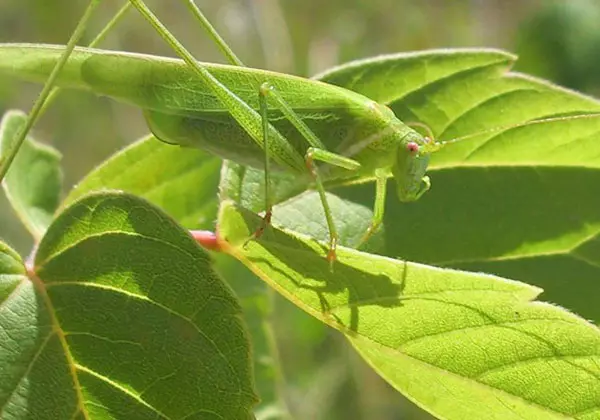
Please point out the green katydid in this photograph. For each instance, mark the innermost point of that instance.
(268, 116)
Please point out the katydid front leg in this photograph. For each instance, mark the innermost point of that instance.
(379, 207)
(316, 151)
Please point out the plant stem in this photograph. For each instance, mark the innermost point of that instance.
(97, 40)
(6, 160)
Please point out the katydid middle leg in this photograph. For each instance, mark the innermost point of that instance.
(316, 151)
(379, 207)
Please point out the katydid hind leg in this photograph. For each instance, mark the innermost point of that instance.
(269, 92)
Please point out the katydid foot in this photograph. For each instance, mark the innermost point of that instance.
(266, 221)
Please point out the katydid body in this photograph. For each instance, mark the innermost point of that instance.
(358, 128)
(348, 123)
(357, 137)
(301, 125)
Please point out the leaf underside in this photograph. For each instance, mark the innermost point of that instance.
(34, 180)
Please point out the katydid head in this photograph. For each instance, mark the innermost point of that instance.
(410, 166)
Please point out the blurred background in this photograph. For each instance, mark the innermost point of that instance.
(557, 40)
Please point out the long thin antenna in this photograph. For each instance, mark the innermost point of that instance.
(423, 126)
(97, 40)
(523, 124)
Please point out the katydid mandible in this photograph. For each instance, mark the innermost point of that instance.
(382, 143)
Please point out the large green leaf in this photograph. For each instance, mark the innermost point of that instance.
(128, 320)
(520, 202)
(460, 344)
(183, 182)
(33, 182)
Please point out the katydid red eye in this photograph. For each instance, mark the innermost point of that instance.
(412, 147)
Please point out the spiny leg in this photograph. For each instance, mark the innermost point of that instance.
(379, 208)
(315, 152)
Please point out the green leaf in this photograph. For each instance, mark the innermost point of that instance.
(181, 181)
(304, 214)
(468, 91)
(246, 185)
(137, 324)
(33, 182)
(520, 202)
(460, 344)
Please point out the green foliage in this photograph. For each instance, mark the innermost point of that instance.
(185, 188)
(513, 189)
(121, 317)
(459, 343)
(181, 182)
(119, 314)
(33, 186)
